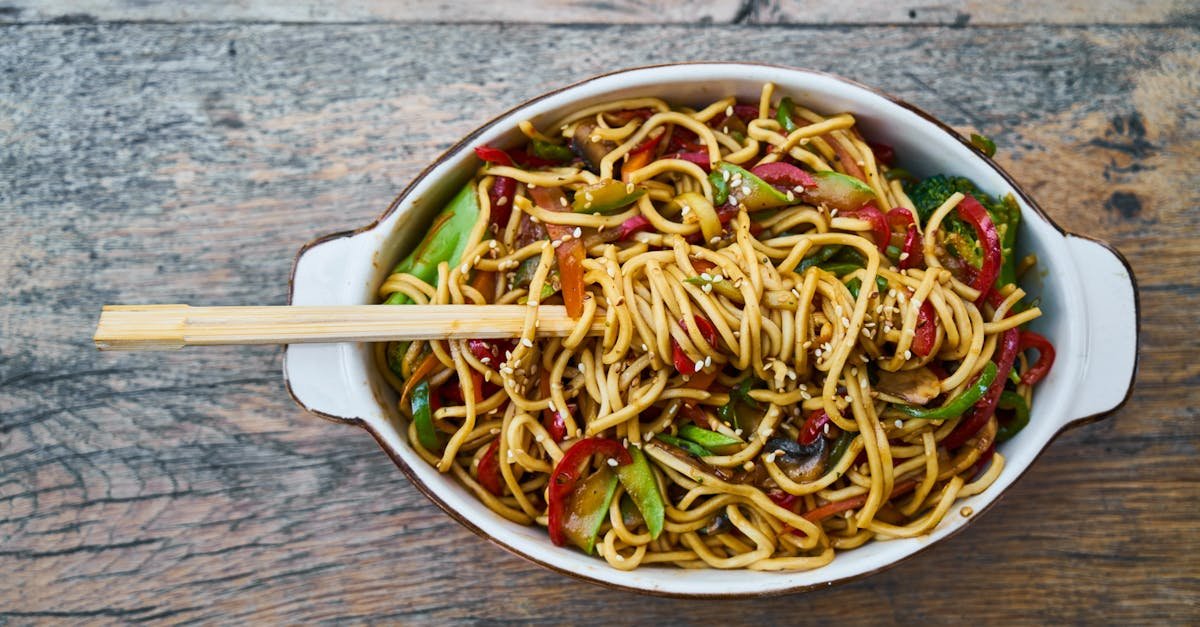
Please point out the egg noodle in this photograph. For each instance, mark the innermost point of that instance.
(792, 340)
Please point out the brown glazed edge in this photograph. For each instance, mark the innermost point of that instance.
(432, 496)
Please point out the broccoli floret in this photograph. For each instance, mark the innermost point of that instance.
(929, 194)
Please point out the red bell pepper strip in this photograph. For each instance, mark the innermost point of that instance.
(684, 140)
(784, 176)
(913, 253)
(683, 363)
(879, 226)
(1045, 360)
(526, 159)
(698, 158)
(501, 199)
(642, 154)
(884, 153)
(813, 427)
(636, 224)
(488, 473)
(985, 408)
(925, 334)
(746, 112)
(553, 421)
(829, 509)
(989, 242)
(900, 218)
(568, 472)
(494, 155)
(570, 251)
(783, 499)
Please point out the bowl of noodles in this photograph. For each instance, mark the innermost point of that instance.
(814, 330)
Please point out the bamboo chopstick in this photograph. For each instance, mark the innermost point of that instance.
(171, 327)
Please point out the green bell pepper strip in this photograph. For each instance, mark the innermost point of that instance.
(395, 357)
(639, 483)
(840, 445)
(818, 258)
(783, 115)
(708, 439)
(446, 241)
(1015, 402)
(687, 445)
(551, 152)
(720, 188)
(959, 404)
(739, 394)
(724, 287)
(422, 413)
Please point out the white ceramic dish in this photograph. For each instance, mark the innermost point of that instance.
(1089, 299)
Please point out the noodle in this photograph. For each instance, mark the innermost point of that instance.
(803, 349)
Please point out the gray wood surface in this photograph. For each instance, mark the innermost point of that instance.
(187, 163)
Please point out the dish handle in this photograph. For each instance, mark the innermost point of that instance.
(316, 374)
(1111, 309)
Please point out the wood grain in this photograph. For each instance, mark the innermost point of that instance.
(902, 12)
(187, 163)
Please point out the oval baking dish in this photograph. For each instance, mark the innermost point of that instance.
(1092, 322)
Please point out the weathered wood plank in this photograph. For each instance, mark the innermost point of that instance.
(170, 163)
(904, 12)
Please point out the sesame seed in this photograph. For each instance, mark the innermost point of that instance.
(899, 424)
(770, 457)
(748, 465)
(908, 354)
(526, 342)
(464, 269)
(578, 233)
(708, 361)
(612, 462)
(729, 111)
(699, 366)
(706, 288)
(503, 201)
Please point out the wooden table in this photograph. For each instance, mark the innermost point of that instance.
(156, 152)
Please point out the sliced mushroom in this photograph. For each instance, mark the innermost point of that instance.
(801, 463)
(592, 152)
(917, 386)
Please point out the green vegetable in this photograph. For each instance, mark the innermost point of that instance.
(524, 276)
(708, 439)
(900, 174)
(724, 287)
(784, 113)
(588, 508)
(606, 197)
(422, 414)
(959, 404)
(817, 258)
(841, 268)
(960, 238)
(641, 487)
(395, 357)
(552, 152)
(739, 396)
(1015, 402)
(749, 191)
(445, 242)
(839, 448)
(983, 144)
(720, 188)
(838, 191)
(690, 447)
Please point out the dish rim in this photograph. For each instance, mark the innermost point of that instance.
(477, 131)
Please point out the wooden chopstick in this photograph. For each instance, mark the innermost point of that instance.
(171, 327)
